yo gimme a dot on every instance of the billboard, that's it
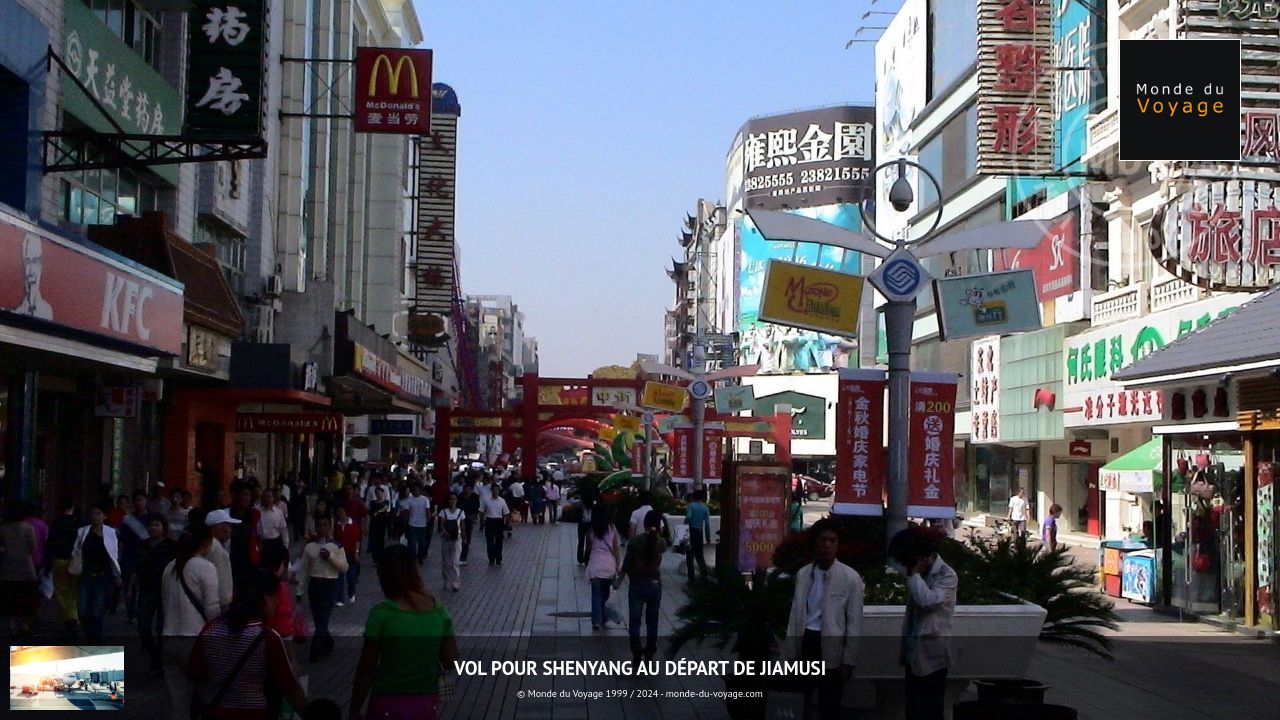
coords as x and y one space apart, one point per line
991 304
809 158
224 67
931 492
811 298
779 349
860 456
1015 87
393 91
902 82
435 249
1055 260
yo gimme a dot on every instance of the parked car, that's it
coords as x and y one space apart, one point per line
815 489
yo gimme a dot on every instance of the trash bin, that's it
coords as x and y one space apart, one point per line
978 710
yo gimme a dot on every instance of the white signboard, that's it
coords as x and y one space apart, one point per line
614 397
984 395
901 84
1090 397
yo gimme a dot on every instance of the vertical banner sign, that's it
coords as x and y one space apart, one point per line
225 45
637 455
1015 87
860 460
682 455
762 514
393 91
712 453
930 488
435 250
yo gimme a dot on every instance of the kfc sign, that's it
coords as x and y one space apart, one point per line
45 277
1056 260
393 91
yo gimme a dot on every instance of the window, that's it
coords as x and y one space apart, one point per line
953 43
135 27
1099 251
951 155
96 197
229 248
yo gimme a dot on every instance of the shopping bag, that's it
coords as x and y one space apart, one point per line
46 584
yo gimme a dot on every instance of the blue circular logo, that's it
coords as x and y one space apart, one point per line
699 389
901 277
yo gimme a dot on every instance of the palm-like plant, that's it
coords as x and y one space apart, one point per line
1077 612
734 614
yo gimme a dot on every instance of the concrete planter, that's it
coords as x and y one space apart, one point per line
675 521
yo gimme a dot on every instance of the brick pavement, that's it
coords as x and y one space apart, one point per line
536 607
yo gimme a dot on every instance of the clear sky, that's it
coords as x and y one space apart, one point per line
589 130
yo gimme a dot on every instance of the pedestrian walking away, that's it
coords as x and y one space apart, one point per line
153 558
604 564
323 560
20 594
698 518
927 626
96 560
450 527
409 646
241 666
825 623
495 524
189 593
347 533
470 505
642 567
1018 513
584 528
553 502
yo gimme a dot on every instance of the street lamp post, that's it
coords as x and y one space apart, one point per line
900 278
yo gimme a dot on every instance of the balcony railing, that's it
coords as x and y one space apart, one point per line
1171 291
1123 303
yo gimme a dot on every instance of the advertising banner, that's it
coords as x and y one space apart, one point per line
682 455
860 452
811 298
762 514
393 91
992 304
45 277
930 487
388 375
225 45
809 158
1091 397
808 413
288 422
1055 261
902 82
1016 82
1222 235
661 396
628 423
778 349
984 396
735 398
435 252
712 453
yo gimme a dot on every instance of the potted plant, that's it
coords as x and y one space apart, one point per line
739 615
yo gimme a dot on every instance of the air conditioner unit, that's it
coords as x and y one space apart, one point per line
275 286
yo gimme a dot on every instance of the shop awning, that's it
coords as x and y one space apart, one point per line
1137 471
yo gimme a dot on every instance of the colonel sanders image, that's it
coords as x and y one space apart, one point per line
32 266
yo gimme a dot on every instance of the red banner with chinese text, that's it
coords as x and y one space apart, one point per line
762 514
682 455
712 454
931 462
860 457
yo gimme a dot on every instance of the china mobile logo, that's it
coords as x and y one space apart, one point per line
812 298
393 75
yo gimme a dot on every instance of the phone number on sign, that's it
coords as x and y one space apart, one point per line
813 175
632 694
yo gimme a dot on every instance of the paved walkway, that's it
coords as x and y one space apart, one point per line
536 607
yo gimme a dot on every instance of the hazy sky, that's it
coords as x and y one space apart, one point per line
589 130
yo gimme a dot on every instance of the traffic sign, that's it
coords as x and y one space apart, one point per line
700 389
901 277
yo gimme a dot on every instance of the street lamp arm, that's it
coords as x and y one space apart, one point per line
1018 234
775 225
740 371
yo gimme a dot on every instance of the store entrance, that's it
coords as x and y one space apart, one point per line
1207 495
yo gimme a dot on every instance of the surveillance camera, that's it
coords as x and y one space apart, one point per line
900 195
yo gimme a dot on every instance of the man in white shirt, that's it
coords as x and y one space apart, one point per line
273 528
419 507
495 524
219 523
826 617
637 517
1018 513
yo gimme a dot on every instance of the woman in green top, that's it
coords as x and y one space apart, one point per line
796 512
408 644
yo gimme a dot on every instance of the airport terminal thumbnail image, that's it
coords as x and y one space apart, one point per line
66 677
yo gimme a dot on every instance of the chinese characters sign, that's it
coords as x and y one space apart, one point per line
1092 398
762 514
1223 235
1249 9
930 485
661 396
991 304
393 91
682 458
811 298
860 459
984 397
1015 87
613 396
1056 260
435 249
224 67
807 159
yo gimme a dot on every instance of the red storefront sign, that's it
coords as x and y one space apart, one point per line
45 277
288 422
762 514
1056 260
393 91
930 488
637 456
712 454
860 443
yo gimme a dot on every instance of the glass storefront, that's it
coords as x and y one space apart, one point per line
995 473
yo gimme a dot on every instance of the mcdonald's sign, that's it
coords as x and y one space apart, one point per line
393 91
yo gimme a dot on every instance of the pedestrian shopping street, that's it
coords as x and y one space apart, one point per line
536 607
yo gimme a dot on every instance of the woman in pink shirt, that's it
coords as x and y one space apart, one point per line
603 562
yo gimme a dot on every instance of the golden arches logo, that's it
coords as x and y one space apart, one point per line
393 75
